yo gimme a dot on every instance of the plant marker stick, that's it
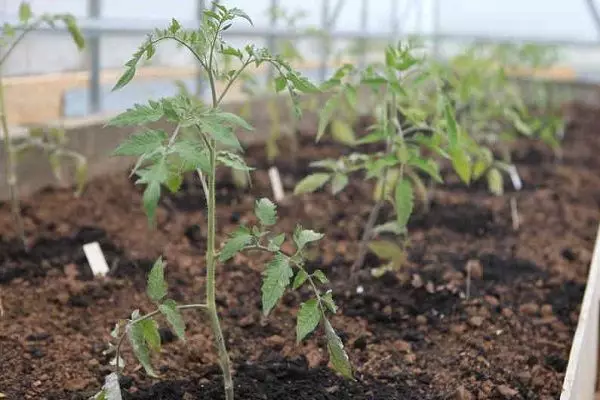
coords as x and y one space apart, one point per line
514 212
95 258
515 178
276 184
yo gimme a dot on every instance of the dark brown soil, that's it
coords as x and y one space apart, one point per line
410 335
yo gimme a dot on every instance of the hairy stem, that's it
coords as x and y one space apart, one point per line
10 170
210 279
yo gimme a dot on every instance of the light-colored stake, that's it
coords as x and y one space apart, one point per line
276 184
96 259
514 213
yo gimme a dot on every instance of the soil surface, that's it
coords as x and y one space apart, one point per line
412 334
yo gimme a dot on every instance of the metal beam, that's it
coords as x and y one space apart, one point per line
93 46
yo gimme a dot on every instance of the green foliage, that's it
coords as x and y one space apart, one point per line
53 142
309 317
416 134
157 286
203 139
490 106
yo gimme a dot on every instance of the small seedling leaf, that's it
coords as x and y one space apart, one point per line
451 125
461 164
311 183
157 286
239 13
308 319
192 155
125 78
280 83
326 114
173 315
233 120
320 276
327 299
149 328
74 31
495 182
404 199
342 132
135 334
233 161
276 242
304 236
240 239
266 212
276 279
142 143
25 13
300 278
386 250
337 355
338 183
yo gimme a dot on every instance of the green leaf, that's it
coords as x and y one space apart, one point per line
461 164
149 329
135 334
404 198
138 115
221 133
451 125
338 183
308 319
125 78
276 279
342 132
153 176
233 120
320 276
429 166
327 299
238 240
390 227
142 143
111 389
157 286
240 13
304 236
233 161
280 83
74 31
337 355
266 212
173 315
300 278
495 182
311 183
386 250
326 114
25 13
276 242
193 155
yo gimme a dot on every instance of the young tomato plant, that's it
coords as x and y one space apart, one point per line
491 106
209 141
412 141
53 143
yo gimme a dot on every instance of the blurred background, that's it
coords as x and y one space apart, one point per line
47 79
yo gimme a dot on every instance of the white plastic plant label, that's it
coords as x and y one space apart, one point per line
515 178
276 184
95 258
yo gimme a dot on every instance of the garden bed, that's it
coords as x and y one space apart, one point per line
410 335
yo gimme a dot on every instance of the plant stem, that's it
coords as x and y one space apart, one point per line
10 167
210 279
